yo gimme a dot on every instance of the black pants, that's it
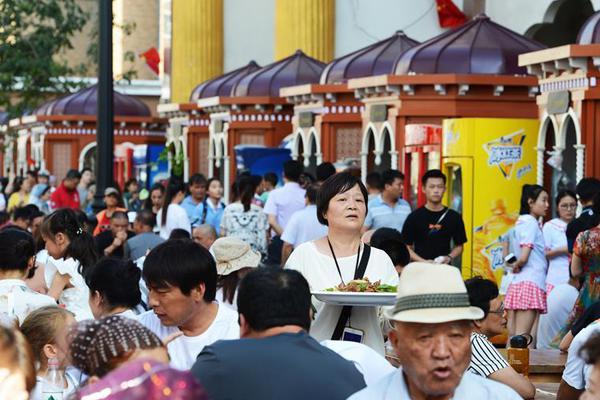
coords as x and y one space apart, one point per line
274 251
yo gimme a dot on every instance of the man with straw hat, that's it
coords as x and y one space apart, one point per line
432 322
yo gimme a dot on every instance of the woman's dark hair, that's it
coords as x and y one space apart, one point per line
128 183
179 233
334 185
229 284
269 297
271 177
596 204
565 193
590 351
173 187
81 244
117 280
148 201
211 180
481 293
18 182
529 192
396 251
16 249
4 217
246 188
183 264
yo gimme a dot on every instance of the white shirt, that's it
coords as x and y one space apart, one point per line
303 227
367 361
529 234
321 273
17 300
560 303
576 371
285 201
184 350
220 296
555 236
485 359
72 386
76 298
128 314
177 218
471 386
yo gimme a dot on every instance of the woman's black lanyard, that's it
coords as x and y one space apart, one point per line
336 262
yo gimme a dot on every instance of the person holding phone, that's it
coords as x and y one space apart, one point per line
340 257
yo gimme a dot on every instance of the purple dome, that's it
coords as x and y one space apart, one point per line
590 31
376 59
222 85
297 69
477 47
85 101
44 108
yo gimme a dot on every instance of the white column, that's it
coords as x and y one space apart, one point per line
226 183
394 160
186 156
211 166
579 163
363 165
540 165
319 158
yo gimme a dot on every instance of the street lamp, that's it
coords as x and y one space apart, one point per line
104 120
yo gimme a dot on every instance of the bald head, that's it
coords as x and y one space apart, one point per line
204 235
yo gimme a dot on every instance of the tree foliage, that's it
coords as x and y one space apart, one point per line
32 35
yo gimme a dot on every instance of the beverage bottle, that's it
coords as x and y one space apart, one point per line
518 353
54 383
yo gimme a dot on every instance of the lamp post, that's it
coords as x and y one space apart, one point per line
104 120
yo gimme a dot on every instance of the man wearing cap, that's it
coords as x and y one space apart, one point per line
66 195
432 322
112 200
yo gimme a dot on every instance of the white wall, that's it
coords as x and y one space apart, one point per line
249 29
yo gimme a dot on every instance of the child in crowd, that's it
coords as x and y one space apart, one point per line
46 331
72 252
16 364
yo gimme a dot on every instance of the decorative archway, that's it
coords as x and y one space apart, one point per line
298 144
368 138
87 157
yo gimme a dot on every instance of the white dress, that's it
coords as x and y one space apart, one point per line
177 218
76 298
17 300
321 273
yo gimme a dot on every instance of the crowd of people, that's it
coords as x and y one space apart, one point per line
210 298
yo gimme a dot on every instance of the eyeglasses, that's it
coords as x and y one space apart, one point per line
499 311
568 206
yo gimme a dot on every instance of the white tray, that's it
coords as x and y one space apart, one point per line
356 299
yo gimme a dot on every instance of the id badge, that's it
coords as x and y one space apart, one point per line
353 335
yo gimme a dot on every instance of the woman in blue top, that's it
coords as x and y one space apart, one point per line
210 211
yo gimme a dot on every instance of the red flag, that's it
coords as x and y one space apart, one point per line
449 15
152 59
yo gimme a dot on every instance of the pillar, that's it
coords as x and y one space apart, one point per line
307 25
197 45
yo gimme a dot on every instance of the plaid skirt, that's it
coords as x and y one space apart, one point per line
525 296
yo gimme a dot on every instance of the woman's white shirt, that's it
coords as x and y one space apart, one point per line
76 298
555 237
529 234
177 218
321 273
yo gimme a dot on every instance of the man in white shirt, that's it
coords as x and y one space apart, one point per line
560 303
281 204
432 322
304 225
182 281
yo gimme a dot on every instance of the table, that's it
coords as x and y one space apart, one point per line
546 391
544 365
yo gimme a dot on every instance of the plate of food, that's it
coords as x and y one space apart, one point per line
358 292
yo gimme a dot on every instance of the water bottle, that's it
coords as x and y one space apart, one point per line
54 383
518 353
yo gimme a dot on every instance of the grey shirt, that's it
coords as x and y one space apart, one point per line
138 245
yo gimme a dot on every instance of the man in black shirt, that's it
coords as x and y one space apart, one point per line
111 243
430 230
587 189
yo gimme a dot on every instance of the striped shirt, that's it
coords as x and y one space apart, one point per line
485 359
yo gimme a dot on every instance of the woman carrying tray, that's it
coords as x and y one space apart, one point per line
340 257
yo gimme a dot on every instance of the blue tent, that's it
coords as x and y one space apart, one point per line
259 159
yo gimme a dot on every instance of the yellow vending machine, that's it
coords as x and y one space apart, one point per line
487 161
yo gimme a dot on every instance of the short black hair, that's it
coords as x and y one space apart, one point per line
565 193
383 234
270 297
374 180
590 351
24 213
529 192
311 193
271 177
119 215
16 248
292 170
117 280
73 174
146 217
587 188
334 185
433 173
396 251
183 264
179 233
481 293
324 171
198 179
389 176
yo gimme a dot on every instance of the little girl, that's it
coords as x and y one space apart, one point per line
46 330
72 252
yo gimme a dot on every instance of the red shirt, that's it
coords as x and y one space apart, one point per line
64 198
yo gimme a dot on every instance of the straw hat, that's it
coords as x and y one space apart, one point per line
233 254
432 294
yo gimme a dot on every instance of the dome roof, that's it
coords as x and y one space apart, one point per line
297 69
376 59
477 47
85 101
590 31
43 108
222 85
